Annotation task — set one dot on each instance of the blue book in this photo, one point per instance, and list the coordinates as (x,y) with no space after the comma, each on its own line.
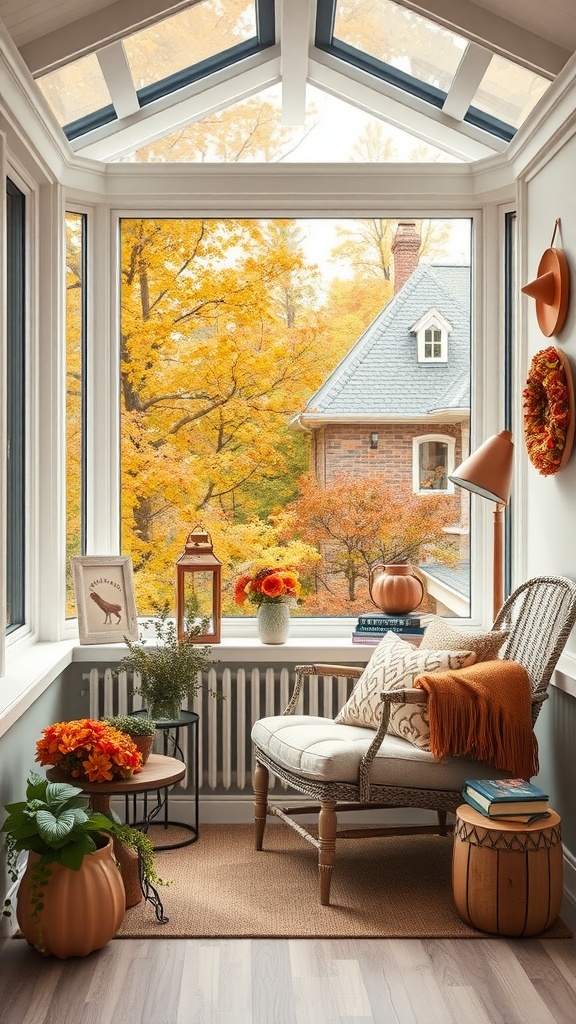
(384,621)
(506,795)
(525,819)
(362,627)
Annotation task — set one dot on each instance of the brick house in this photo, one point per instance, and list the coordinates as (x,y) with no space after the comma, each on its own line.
(399,400)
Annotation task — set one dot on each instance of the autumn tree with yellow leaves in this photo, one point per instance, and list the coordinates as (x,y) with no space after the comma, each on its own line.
(219,348)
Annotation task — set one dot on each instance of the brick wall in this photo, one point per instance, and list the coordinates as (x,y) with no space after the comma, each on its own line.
(346,449)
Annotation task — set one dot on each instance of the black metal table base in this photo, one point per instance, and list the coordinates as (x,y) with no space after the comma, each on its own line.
(176,824)
(151,819)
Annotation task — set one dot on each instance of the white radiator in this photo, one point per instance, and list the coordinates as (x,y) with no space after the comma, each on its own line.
(225,750)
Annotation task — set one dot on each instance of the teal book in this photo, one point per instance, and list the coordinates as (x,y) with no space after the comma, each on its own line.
(498,796)
(525,819)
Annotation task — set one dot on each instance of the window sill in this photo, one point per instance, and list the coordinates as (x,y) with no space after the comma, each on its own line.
(31,671)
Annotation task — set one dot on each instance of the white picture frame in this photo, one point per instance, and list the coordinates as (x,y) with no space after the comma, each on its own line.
(105,603)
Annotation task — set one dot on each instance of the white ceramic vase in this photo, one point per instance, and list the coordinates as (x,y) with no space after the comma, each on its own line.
(273,622)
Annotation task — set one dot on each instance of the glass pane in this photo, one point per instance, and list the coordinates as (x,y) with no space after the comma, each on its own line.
(234,332)
(252,130)
(433,465)
(187,38)
(509,92)
(75,301)
(75,90)
(401,38)
(16,407)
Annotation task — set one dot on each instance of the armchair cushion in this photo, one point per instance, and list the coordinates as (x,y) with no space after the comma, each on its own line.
(394,665)
(440,635)
(321,750)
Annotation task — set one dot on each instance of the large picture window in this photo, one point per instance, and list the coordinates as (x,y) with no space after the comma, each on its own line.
(271,392)
(16,407)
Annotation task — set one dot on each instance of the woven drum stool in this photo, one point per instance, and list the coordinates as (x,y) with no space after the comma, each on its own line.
(507,877)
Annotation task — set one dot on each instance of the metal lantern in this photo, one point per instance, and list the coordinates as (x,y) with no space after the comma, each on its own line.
(198,579)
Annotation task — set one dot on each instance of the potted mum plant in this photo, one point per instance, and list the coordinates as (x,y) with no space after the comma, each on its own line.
(140,730)
(272,589)
(170,670)
(71,898)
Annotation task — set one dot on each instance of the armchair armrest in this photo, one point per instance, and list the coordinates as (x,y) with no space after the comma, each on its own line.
(411,696)
(389,697)
(300,671)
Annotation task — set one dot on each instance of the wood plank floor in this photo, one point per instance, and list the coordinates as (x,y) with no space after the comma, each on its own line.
(294,981)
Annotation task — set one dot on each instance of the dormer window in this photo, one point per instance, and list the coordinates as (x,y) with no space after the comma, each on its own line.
(432,332)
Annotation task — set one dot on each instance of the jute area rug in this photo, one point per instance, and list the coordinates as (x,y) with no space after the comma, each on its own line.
(381,888)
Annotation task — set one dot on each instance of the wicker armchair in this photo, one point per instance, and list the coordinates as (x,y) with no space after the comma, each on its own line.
(348,768)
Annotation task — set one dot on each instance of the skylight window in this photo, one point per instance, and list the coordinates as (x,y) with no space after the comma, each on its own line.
(75,90)
(187,38)
(400,38)
(509,92)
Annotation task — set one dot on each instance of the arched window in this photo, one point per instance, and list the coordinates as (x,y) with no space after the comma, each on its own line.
(433,461)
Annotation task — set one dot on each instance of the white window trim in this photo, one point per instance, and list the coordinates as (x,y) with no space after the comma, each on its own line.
(416,444)
(22,633)
(432,319)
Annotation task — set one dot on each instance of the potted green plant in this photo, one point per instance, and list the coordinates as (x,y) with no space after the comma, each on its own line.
(71,898)
(140,729)
(169,669)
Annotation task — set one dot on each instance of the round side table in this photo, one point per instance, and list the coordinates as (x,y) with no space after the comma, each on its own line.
(506,876)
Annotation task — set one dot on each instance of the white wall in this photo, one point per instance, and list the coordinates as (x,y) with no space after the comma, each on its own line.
(548,522)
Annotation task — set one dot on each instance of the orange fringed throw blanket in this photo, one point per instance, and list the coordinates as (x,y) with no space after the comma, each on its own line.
(484,712)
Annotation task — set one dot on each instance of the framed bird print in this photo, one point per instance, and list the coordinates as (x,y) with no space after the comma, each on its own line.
(105,603)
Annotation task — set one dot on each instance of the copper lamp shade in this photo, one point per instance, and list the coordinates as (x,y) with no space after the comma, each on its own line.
(488,472)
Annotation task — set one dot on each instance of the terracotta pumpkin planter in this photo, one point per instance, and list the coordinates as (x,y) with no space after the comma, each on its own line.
(82,909)
(395,589)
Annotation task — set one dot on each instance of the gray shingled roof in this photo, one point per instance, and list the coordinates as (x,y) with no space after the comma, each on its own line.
(381,375)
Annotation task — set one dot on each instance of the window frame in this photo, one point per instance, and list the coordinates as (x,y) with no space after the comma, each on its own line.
(108,401)
(417,443)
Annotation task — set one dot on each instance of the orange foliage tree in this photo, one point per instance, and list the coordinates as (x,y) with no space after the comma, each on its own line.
(357,522)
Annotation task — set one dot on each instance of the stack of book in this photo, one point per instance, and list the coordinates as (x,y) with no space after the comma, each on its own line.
(371,627)
(506,799)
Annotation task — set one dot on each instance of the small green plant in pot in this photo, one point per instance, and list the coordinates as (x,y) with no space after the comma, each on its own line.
(71,898)
(170,670)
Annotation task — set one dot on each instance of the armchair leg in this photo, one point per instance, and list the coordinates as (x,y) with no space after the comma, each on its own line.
(442,816)
(327,848)
(260,803)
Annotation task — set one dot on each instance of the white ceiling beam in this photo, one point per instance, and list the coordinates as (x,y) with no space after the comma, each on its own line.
(469,74)
(400,109)
(502,36)
(167,115)
(118,77)
(295,22)
(85,35)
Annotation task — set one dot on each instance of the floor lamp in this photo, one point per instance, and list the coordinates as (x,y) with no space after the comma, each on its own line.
(488,472)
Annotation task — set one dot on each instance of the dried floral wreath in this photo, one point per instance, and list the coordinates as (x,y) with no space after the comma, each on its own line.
(547,411)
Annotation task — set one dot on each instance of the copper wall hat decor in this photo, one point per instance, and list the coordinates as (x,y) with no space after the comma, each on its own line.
(551,289)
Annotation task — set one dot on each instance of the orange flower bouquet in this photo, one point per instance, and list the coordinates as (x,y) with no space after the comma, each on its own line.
(88,749)
(267,586)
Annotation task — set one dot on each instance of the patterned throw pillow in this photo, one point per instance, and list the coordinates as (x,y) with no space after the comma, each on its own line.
(439,635)
(394,665)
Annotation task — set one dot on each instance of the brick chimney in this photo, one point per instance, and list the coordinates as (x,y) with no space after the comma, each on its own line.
(405,252)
